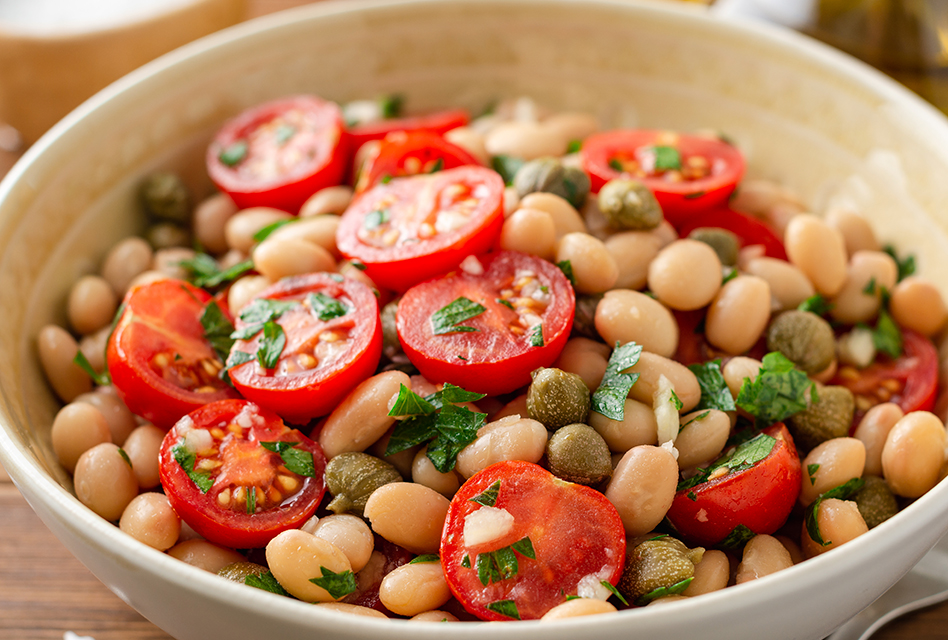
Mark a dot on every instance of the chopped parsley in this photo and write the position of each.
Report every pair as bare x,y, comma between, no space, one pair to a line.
101,379
186,459
265,232
842,492
234,154
217,329
447,429
260,316
906,265
324,306
375,219
811,470
296,460
426,558
574,146
744,456
739,536
506,608
125,457
338,585
608,585
265,581
715,393
448,319
251,500
662,592
271,344
203,271
815,304
886,335
609,398
666,158
507,167
437,166
488,497
615,165
779,391
535,335
567,268
391,105
284,133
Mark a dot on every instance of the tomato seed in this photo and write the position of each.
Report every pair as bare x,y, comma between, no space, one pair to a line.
289,484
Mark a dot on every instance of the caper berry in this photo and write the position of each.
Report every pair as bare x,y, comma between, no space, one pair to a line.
876,501
240,571
630,205
352,477
805,338
657,563
549,175
557,398
724,243
829,417
165,197
577,453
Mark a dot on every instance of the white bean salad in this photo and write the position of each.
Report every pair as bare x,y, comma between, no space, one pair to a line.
503,367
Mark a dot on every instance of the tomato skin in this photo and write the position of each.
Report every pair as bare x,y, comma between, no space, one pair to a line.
324,145
411,203
760,498
493,359
164,317
916,369
679,200
748,229
248,465
300,395
400,149
439,122
575,532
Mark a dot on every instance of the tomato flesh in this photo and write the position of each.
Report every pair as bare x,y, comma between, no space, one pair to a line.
702,173
418,227
575,532
439,122
279,153
323,359
251,495
519,292
403,153
759,498
157,356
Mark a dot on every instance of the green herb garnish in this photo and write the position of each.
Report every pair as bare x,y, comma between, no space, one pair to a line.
811,470
234,154
662,592
506,608
906,265
217,330
507,167
488,497
612,589
296,460
739,536
779,391
666,158
535,335
425,558
842,492
447,319
337,585
714,390
266,582
609,398
101,379
567,268
815,304
265,232
186,459
325,307
744,456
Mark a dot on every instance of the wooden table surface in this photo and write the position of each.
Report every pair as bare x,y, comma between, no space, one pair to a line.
45,592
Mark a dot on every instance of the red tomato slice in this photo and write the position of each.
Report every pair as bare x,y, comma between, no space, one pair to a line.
748,229
575,534
418,227
409,153
158,358
686,173
910,381
438,122
280,153
760,497
496,352
328,351
248,492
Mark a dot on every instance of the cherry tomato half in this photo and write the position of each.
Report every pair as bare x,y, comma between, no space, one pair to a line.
910,381
438,122
518,540
519,315
418,227
159,360
239,476
333,340
759,497
686,173
748,229
409,153
280,153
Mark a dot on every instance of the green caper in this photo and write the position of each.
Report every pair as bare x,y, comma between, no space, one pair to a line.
352,477
805,338
240,571
577,453
391,346
827,418
630,205
551,176
557,398
167,235
656,564
724,243
584,316
165,197
876,501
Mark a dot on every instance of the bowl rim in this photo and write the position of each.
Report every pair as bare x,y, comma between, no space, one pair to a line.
96,532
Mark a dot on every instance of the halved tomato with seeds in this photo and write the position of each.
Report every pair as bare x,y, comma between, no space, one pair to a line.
159,360
238,475
418,227
404,153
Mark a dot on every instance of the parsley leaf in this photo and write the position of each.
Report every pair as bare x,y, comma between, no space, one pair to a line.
779,391
666,158
457,427
251,500
234,154
662,592
186,459
296,460
265,232
574,146
217,329
567,268
391,105
842,492
409,403
447,319
271,345
906,266
886,336
488,497
739,536
425,558
524,546
375,219
203,271
284,133
715,393
742,457
615,165
811,470
608,585
325,307
815,304
337,585
437,166
535,335
101,379
265,581
507,167
454,393
609,398
263,310
506,608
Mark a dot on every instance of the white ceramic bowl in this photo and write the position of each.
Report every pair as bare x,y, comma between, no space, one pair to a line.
810,118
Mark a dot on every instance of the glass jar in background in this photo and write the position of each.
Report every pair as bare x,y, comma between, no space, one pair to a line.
907,39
